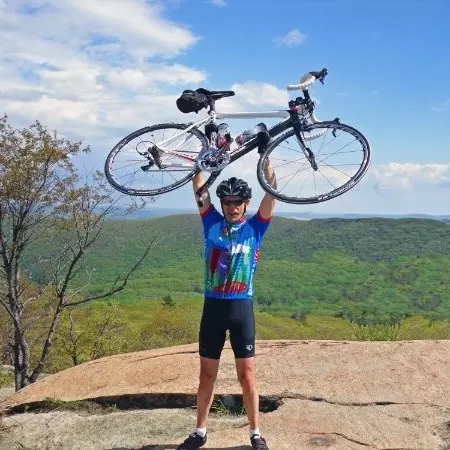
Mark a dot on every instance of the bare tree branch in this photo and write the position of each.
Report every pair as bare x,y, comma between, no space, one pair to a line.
114,290
6,306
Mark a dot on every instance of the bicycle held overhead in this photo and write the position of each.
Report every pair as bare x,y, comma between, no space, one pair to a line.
315,160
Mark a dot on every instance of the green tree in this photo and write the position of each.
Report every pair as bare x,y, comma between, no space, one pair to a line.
168,301
89,333
169,327
41,195
300,315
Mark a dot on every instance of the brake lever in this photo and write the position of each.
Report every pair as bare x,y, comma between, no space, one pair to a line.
321,75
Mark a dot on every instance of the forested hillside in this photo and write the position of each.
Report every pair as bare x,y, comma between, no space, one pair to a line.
367,270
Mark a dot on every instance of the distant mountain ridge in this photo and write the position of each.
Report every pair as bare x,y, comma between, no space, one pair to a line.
149,213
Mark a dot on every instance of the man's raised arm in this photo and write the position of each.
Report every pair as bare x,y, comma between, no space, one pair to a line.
267,205
197,182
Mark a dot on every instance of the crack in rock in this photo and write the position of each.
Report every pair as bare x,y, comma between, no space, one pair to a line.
323,441
145,358
231,402
291,395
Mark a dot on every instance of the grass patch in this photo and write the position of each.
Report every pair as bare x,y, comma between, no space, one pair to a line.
85,406
6,379
229,405
375,332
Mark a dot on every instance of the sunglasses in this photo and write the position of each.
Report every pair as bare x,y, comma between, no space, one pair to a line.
232,202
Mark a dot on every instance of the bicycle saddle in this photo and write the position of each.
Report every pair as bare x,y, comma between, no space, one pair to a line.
215,94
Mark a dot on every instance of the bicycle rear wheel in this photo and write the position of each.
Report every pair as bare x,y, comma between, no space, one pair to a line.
342,155
131,167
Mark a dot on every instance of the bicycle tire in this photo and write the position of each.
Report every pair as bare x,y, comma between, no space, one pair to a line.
311,133
134,183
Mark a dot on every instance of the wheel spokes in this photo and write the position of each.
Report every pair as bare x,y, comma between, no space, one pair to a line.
135,164
340,157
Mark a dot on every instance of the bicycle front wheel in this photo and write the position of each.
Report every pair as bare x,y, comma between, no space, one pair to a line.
155,160
341,154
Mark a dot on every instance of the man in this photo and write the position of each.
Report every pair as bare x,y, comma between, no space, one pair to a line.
231,252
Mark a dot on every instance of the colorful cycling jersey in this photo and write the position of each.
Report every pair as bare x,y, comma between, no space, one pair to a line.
231,254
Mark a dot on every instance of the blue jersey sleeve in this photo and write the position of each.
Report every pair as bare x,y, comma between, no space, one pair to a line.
259,225
210,217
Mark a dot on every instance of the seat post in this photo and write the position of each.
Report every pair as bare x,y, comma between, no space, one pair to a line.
212,104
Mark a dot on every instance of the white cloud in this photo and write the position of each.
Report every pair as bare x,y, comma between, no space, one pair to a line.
218,2
76,65
137,22
254,93
135,79
89,69
131,27
407,176
82,112
291,39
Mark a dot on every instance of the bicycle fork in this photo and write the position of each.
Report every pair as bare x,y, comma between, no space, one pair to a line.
306,150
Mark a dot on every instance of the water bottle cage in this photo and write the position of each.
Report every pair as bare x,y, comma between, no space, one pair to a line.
263,138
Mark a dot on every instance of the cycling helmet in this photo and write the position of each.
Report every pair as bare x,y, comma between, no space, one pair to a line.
234,186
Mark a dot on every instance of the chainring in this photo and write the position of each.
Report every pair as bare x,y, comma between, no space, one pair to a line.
213,159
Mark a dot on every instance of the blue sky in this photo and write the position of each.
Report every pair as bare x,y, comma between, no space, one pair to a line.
96,70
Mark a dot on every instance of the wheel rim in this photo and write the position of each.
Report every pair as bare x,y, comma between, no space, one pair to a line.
129,168
342,159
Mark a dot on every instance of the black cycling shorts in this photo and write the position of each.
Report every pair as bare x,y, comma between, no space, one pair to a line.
221,315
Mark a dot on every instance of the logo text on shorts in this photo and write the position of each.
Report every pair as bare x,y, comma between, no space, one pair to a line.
249,347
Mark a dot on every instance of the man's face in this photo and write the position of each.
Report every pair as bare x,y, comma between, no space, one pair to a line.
233,207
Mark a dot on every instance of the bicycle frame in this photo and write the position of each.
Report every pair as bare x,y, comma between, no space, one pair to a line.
241,150
292,120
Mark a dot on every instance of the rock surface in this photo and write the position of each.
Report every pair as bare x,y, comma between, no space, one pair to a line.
320,394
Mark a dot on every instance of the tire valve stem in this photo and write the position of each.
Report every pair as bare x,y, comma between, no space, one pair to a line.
337,120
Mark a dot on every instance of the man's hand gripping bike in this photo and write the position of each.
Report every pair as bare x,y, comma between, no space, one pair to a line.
314,161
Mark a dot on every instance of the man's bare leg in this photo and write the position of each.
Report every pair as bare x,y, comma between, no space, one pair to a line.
205,394
245,368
